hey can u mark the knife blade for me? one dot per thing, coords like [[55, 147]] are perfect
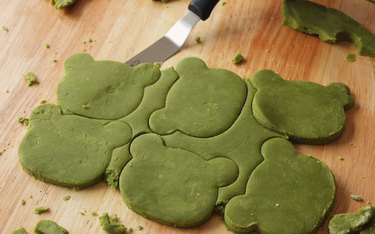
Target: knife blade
[[176, 36]]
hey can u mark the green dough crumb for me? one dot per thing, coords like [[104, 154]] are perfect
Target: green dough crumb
[[49, 227], [55, 61], [158, 64], [329, 24], [23, 120], [111, 224], [356, 197], [94, 214], [66, 198], [20, 231], [223, 3], [43, 101], [341, 158], [198, 40], [350, 223], [140, 228], [31, 78], [41, 209], [59, 4], [5, 29], [23, 202], [91, 40], [351, 58], [238, 59], [48, 46]]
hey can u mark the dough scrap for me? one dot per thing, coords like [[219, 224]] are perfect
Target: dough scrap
[[49, 227], [306, 112], [329, 24], [362, 222], [286, 193]]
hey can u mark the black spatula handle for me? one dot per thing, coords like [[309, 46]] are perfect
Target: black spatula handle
[[202, 8]]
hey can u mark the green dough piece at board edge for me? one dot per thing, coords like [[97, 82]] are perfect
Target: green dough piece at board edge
[[329, 24], [369, 228], [306, 112], [59, 4], [103, 89], [173, 186], [202, 103], [287, 193], [20, 231], [349, 223], [49, 227], [69, 150]]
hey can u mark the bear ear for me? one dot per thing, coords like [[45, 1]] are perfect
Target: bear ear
[[343, 92], [265, 78], [190, 64], [226, 170], [77, 61]]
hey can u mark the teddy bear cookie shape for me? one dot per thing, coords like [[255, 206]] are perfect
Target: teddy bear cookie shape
[[183, 143]]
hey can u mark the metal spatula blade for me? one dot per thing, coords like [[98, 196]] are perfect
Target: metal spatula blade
[[174, 39]]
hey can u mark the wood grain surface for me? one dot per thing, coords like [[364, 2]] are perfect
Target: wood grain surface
[[120, 29]]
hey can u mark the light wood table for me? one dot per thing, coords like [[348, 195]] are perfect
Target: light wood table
[[122, 28]]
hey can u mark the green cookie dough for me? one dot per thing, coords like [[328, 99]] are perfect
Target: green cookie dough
[[103, 89], [41, 210], [111, 224], [351, 58], [188, 141], [369, 228], [69, 150], [240, 143], [171, 185], [49, 227], [306, 112], [31, 79], [353, 223], [329, 24], [62, 3], [203, 102], [287, 193], [154, 99], [20, 231]]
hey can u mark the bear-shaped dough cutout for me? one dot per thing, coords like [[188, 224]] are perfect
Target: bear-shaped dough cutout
[[306, 112], [329, 24], [202, 103], [69, 150], [171, 185], [103, 89], [287, 193]]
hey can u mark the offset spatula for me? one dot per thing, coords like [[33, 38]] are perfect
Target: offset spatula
[[173, 40]]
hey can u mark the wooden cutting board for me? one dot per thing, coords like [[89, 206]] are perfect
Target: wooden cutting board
[[119, 30]]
